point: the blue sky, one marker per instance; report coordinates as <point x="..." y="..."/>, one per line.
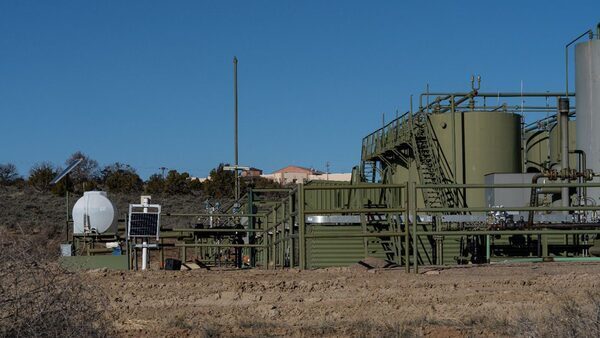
<point x="149" y="83"/>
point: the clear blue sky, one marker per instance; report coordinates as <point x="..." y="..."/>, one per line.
<point x="149" y="83"/>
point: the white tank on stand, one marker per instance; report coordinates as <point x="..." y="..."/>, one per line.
<point x="94" y="213"/>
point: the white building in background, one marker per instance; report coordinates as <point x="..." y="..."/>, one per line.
<point x="293" y="174"/>
<point x="297" y="174"/>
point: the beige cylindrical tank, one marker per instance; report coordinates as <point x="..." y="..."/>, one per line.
<point x="537" y="150"/>
<point x="484" y="143"/>
<point x="555" y="144"/>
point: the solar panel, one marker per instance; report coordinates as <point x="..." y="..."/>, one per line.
<point x="66" y="171"/>
<point x="144" y="221"/>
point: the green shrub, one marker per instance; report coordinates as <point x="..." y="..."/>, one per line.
<point x="119" y="177"/>
<point x="221" y="183"/>
<point x="155" y="184"/>
<point x="40" y="176"/>
<point x="177" y="183"/>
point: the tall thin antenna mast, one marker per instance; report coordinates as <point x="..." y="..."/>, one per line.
<point x="235" y="97"/>
<point x="522" y="98"/>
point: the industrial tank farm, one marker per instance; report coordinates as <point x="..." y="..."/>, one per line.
<point x="466" y="177"/>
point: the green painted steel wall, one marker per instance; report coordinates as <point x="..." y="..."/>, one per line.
<point x="340" y="251"/>
<point x="340" y="199"/>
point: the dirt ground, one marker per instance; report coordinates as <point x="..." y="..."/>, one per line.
<point x="471" y="301"/>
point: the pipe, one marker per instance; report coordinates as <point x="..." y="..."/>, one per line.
<point x="506" y="94"/>
<point x="144" y="255"/>
<point x="567" y="225"/>
<point x="533" y="198"/>
<point x="469" y="96"/>
<point x="563" y="111"/>
<point x="582" y="162"/>
<point x="547" y="120"/>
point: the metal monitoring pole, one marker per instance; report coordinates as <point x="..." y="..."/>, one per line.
<point x="235" y="97"/>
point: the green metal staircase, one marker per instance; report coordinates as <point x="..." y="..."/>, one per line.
<point x="408" y="138"/>
<point x="369" y="171"/>
<point x="430" y="165"/>
<point x="415" y="132"/>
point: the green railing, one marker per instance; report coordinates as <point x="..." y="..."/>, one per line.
<point x="281" y="235"/>
<point x="387" y="137"/>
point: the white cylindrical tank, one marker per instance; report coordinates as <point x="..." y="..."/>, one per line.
<point x="587" y="88"/>
<point x="94" y="213"/>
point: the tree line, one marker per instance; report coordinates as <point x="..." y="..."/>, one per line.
<point x="123" y="178"/>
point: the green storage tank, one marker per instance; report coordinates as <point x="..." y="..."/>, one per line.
<point x="555" y="144"/>
<point x="484" y="143"/>
<point x="537" y="150"/>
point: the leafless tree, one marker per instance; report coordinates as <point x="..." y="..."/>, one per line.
<point x="8" y="173"/>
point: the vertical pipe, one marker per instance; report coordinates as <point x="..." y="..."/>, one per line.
<point x="144" y="255"/>
<point x="563" y="110"/>
<point x="135" y="254"/>
<point x="235" y="98"/>
<point x="488" y="251"/>
<point x="67" y="223"/>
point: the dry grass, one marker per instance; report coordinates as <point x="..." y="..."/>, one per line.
<point x="39" y="299"/>
<point x="569" y="318"/>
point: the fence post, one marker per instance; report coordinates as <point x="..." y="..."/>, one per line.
<point x="251" y="236"/>
<point x="302" y="225"/>
<point x="291" y="231"/>
<point x="406" y="227"/>
<point x="413" y="203"/>
<point x="265" y="249"/>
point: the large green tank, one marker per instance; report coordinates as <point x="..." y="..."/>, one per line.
<point x="484" y="143"/>
<point x="472" y="145"/>
<point x="537" y="150"/>
<point x="555" y="145"/>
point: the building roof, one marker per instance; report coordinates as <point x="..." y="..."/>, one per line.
<point x="253" y="169"/>
<point x="298" y="170"/>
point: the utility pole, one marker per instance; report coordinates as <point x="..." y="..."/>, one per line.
<point x="235" y="97"/>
